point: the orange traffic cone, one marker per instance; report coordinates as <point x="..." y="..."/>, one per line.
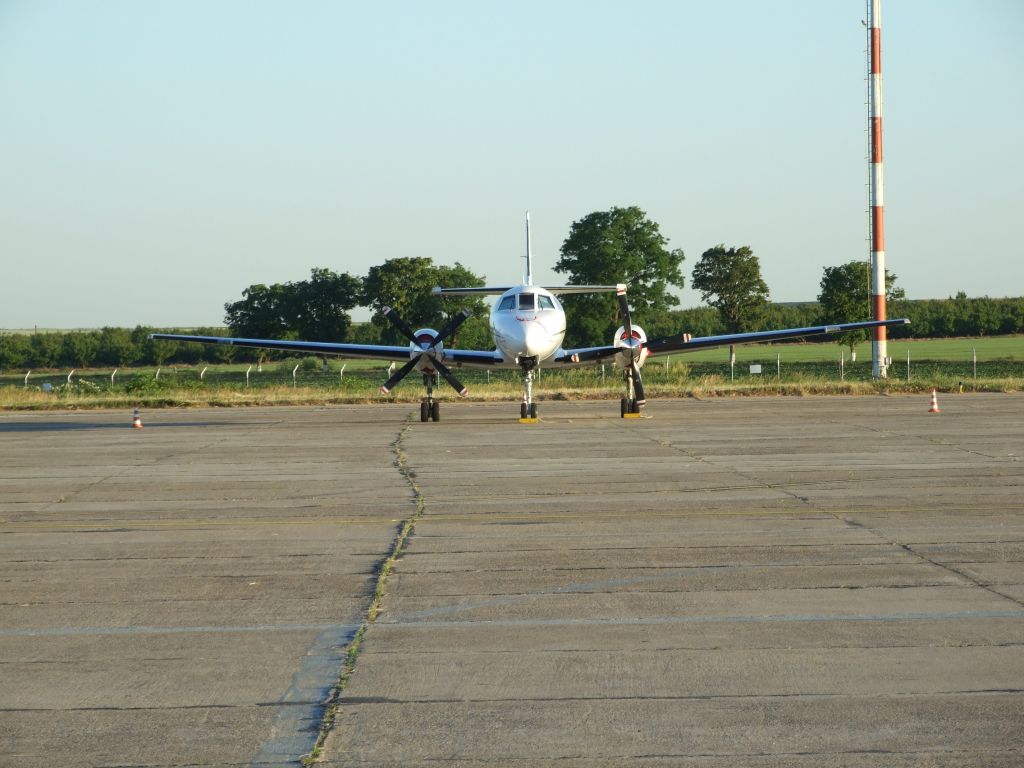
<point x="935" y="403"/>
<point x="136" y="421"/>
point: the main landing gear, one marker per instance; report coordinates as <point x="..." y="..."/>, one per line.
<point x="430" y="409"/>
<point x="629" y="406"/>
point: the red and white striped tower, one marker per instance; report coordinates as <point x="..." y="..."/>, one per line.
<point x="879" y="349"/>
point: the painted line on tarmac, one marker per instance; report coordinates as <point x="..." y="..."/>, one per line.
<point x="120" y="526"/>
<point x="399" y="623"/>
<point x="801" y="513"/>
<point x="84" y="631"/>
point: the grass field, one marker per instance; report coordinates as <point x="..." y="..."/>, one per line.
<point x="990" y="348"/>
<point x="946" y="364"/>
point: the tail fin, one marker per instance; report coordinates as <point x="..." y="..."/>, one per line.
<point x="529" y="253"/>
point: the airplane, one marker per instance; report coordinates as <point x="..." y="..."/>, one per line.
<point x="528" y="324"/>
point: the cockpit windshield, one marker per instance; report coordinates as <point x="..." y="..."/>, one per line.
<point x="546" y="302"/>
<point x="527" y="301"/>
<point x="507" y="303"/>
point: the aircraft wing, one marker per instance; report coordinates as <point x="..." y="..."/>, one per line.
<point x="483" y="290"/>
<point x="686" y="343"/>
<point x="365" y="351"/>
<point x="371" y="351"/>
<point x="474" y="357"/>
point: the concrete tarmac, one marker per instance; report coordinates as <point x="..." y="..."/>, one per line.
<point x="757" y="581"/>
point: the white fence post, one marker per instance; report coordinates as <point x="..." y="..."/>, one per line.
<point x="157" y="377"/>
<point x="294" y="371"/>
<point x="842" y="365"/>
<point x="778" y="365"/>
<point x="202" y="373"/>
<point x="27" y="374"/>
<point x="70" y="373"/>
<point x="974" y="355"/>
<point x="247" y="375"/>
<point x="908" y="365"/>
<point x="341" y="373"/>
<point x="112" y="375"/>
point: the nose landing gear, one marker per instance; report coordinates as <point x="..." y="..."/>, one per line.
<point x="528" y="408"/>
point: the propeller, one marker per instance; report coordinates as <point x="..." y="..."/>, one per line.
<point x="447" y="375"/>
<point x="634" y="369"/>
<point x="426" y="346"/>
<point x="398" y="375"/>
<point x="453" y="325"/>
<point x="396" y="320"/>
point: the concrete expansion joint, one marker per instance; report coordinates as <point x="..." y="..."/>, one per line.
<point x="400" y="463"/>
<point x="962" y="575"/>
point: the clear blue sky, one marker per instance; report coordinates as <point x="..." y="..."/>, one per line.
<point x="158" y="157"/>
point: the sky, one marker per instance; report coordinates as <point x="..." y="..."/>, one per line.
<point x="157" y="158"/>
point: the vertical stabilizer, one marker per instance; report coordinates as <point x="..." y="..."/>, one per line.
<point x="529" y="253"/>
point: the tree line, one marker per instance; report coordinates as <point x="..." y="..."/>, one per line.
<point x="114" y="347"/>
<point x="621" y="245"/>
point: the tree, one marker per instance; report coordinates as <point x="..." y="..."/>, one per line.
<point x="317" y="309"/>
<point x="846" y="298"/>
<point x="116" y="347"/>
<point x="620" y="245"/>
<point x="15" y="350"/>
<point x="78" y="348"/>
<point x="405" y="284"/>
<point x="154" y="351"/>
<point x="261" y="313"/>
<point x="729" y="279"/>
<point x="313" y="310"/>
<point x="45" y="349"/>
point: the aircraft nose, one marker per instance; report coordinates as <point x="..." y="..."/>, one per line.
<point x="536" y="339"/>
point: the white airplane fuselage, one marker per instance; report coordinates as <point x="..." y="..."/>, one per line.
<point x="528" y="325"/>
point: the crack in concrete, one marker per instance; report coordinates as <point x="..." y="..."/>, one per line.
<point x="948" y="567"/>
<point x="756" y="482"/>
<point x="297" y="728"/>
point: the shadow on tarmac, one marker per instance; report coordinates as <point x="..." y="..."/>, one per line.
<point x="70" y="426"/>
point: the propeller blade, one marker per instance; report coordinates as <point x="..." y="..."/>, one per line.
<point x="453" y="325"/>
<point x="396" y="320"/>
<point x="624" y="311"/>
<point x="400" y="374"/>
<point x="638" y="385"/>
<point x="627" y="324"/>
<point x="447" y="375"/>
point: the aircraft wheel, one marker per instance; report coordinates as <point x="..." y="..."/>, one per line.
<point x="523" y="411"/>
<point x="424" y="410"/>
<point x="623" y="407"/>
<point x="533" y="410"/>
<point x="435" y="411"/>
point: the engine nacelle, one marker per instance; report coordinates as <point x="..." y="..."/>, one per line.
<point x="426" y="336"/>
<point x="629" y="345"/>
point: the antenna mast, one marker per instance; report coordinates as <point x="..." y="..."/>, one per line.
<point x="879" y="350"/>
